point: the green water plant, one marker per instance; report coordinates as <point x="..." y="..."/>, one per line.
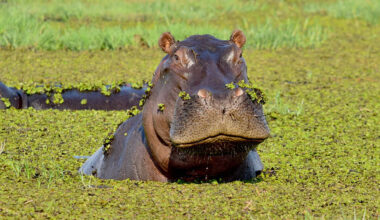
<point x="83" y="101"/>
<point x="107" y="143"/>
<point x="253" y="91"/>
<point x="57" y="98"/>
<point x="6" y="102"/>
<point x="230" y="85"/>
<point x="184" y="95"/>
<point x="161" y="107"/>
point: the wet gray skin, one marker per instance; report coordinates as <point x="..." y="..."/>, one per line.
<point x="123" y="99"/>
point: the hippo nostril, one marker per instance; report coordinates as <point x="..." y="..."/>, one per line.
<point x="238" y="92"/>
<point x="202" y="93"/>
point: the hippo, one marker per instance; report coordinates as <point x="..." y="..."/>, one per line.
<point x="192" y="126"/>
<point x="125" y="97"/>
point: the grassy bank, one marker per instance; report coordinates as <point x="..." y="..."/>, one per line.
<point x="103" y="25"/>
<point x="98" y="25"/>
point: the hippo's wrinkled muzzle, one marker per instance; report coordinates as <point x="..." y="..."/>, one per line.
<point x="207" y="119"/>
<point x="220" y="138"/>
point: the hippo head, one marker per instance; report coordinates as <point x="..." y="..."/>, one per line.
<point x="196" y="126"/>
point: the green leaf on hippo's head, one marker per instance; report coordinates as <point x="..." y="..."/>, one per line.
<point x="253" y="91"/>
<point x="161" y="107"/>
<point x="184" y="95"/>
<point x="230" y="85"/>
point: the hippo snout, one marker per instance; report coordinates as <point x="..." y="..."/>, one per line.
<point x="227" y="101"/>
<point x="226" y="116"/>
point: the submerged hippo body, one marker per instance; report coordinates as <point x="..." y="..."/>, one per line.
<point x="192" y="126"/>
<point x="124" y="98"/>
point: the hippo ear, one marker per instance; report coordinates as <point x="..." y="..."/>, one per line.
<point x="238" y="38"/>
<point x="165" y="41"/>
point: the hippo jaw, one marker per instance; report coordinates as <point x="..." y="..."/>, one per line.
<point x="213" y="160"/>
<point x="211" y="137"/>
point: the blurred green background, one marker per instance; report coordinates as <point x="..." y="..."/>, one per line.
<point x="89" y="25"/>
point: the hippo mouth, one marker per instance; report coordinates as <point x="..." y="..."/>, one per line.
<point x="229" y="147"/>
<point x="220" y="138"/>
<point x="213" y="157"/>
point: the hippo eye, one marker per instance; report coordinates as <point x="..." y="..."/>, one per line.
<point x="240" y="61"/>
<point x="176" y="57"/>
